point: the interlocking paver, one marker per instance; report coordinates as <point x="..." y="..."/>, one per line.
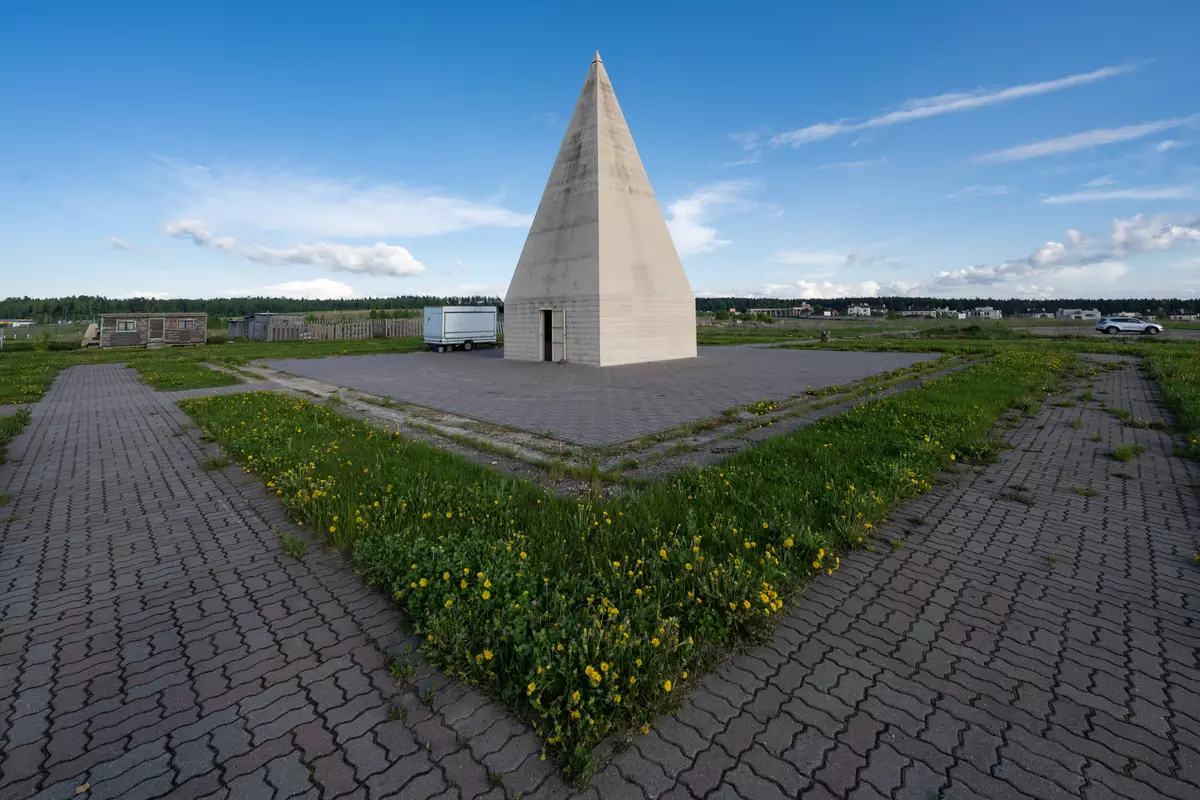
<point x="155" y="641"/>
<point x="593" y="406"/>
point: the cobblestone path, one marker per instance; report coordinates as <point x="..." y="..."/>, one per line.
<point x="1036" y="636"/>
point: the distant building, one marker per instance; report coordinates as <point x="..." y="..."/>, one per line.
<point x="1040" y="314"/>
<point x="1184" y="317"/>
<point x="15" y="323"/>
<point x="153" y="329"/>
<point x="794" y="311"/>
<point x="926" y="313"/>
<point x="1077" y="313"/>
<point x="254" y="326"/>
<point x="858" y="311"/>
<point x="984" y="312"/>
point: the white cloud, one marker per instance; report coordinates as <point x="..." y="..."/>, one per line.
<point x="751" y="144"/>
<point x="1146" y="193"/>
<point x="816" y="290"/>
<point x="1083" y="141"/>
<point x="1103" y="180"/>
<point x="226" y="243"/>
<point x="1078" y="260"/>
<point x="318" y="289"/>
<point x="376" y="259"/>
<point x="923" y="108"/>
<point x="150" y="295"/>
<point x="121" y="244"/>
<point x="189" y="229"/>
<point x="687" y="216"/>
<point x="314" y="206"/>
<point x="972" y="192"/>
<point x="1168" y="144"/>
<point x="870" y="162"/>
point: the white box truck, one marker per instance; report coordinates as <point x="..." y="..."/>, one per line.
<point x="459" y="327"/>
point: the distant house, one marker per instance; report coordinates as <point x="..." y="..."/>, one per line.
<point x="1181" y="317"/>
<point x="858" y="311"/>
<point x="1040" y="314"/>
<point x="984" y="312"/>
<point x="15" y="323"/>
<point x="153" y="329"/>
<point x="1077" y="313"/>
<point x="794" y="311"/>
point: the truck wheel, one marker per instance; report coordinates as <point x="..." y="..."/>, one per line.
<point x="441" y="349"/>
<point x="468" y="345"/>
<point x="1150" y="331"/>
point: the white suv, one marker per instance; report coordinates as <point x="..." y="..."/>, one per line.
<point x="1128" y="325"/>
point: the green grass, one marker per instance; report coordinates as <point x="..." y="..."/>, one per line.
<point x="589" y="617"/>
<point x="1177" y="374"/>
<point x="26" y="375"/>
<point x="10" y="426"/>
<point x="1127" y="452"/>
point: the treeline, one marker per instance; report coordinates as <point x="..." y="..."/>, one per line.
<point x="1010" y="307"/>
<point x="86" y="307"/>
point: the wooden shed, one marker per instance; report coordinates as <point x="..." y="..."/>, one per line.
<point x="153" y="329"/>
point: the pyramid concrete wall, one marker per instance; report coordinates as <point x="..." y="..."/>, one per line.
<point x="600" y="251"/>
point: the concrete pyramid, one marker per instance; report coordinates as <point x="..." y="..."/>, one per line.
<point x="599" y="281"/>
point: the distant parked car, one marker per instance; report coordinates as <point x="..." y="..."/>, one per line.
<point x="1128" y="325"/>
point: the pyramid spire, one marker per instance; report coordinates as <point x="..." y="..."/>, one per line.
<point x="597" y="59"/>
<point x="599" y="258"/>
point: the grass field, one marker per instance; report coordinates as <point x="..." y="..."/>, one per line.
<point x="26" y="375"/>
<point x="592" y="617"/>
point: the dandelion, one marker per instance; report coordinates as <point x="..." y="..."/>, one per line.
<point x="486" y="595"/>
<point x="666" y="686"/>
<point x="488" y="655"/>
<point x="645" y="729"/>
<point x="530" y="688"/>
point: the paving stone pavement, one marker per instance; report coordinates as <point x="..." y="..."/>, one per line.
<point x="155" y="642"/>
<point x="1007" y="650"/>
<point x="590" y="406"/>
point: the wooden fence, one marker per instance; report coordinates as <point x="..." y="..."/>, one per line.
<point x="367" y="329"/>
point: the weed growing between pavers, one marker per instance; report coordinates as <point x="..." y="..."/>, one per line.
<point x="591" y="617"/>
<point x="1127" y="452"/>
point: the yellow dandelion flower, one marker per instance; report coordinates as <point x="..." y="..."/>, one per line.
<point x="666" y="686"/>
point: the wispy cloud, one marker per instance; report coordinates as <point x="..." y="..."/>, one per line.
<point x="1146" y="193"/>
<point x="376" y="259"/>
<point x="972" y="192"/>
<point x="825" y="259"/>
<point x="688" y="217"/>
<point x="1103" y="180"/>
<point x="121" y="244"/>
<point x="1080" y="257"/>
<point x="820" y="290"/>
<point x="864" y="164"/>
<point x="751" y="145"/>
<point x="199" y="235"/>
<point x="926" y="107"/>
<point x="316" y="207"/>
<point x="317" y="289"/>
<point x="1168" y="144"/>
<point x="1084" y="141"/>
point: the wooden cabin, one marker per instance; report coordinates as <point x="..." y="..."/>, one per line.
<point x="153" y="329"/>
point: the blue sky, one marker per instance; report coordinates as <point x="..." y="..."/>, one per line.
<point x="314" y="149"/>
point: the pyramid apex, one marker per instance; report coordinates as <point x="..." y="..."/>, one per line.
<point x="597" y="58"/>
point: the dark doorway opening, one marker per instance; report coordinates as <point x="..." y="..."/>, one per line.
<point x="547" y="336"/>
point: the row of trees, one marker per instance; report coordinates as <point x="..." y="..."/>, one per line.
<point x="1010" y="306"/>
<point x="86" y="307"/>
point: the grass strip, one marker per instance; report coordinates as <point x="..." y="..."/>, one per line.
<point x="26" y="375"/>
<point x="1177" y="373"/>
<point x="10" y="426"/>
<point x="592" y="617"/>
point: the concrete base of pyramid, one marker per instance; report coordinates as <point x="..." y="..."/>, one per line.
<point x="599" y="333"/>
